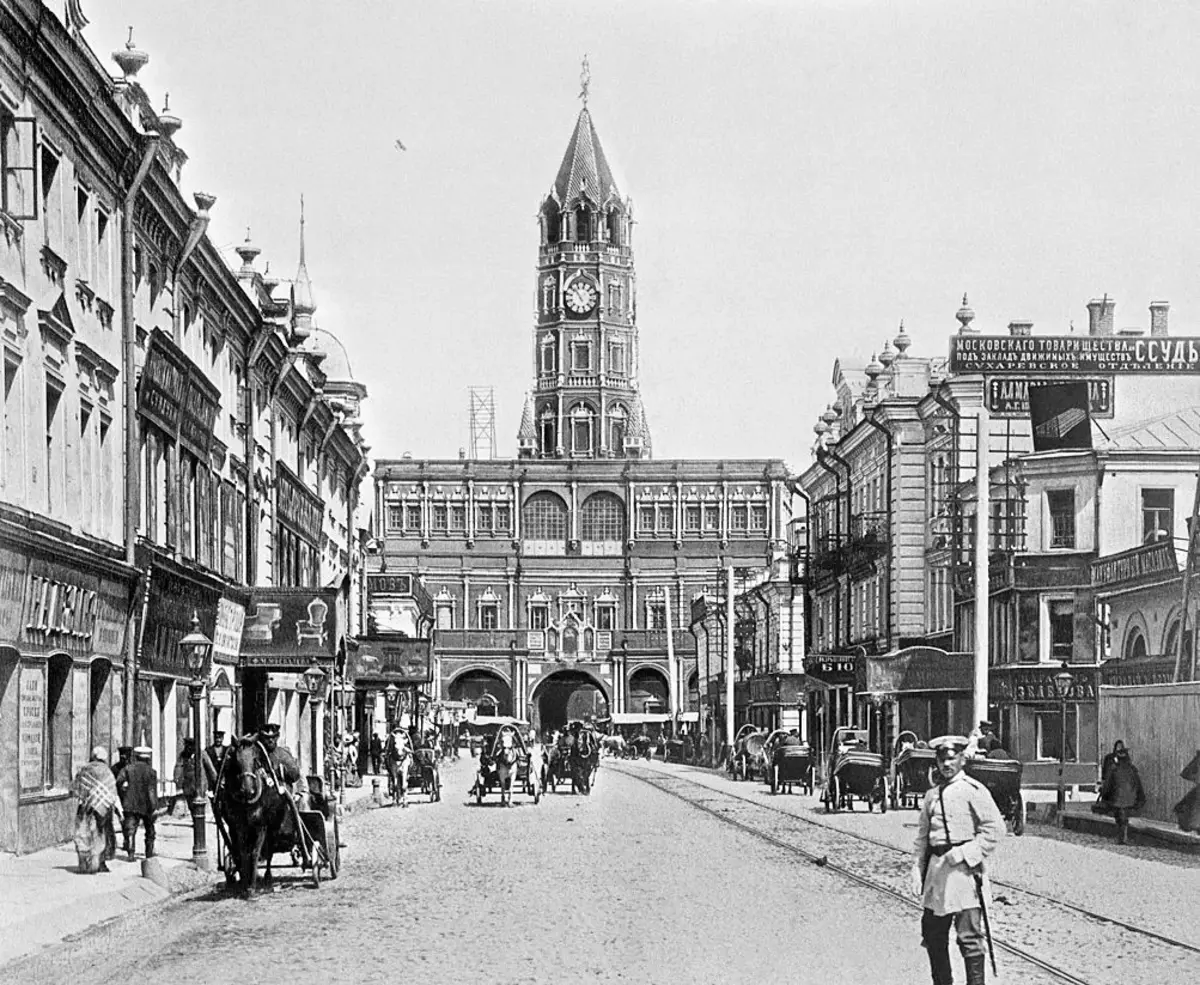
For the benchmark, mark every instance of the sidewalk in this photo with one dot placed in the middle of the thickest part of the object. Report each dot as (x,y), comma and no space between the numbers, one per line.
(45,900)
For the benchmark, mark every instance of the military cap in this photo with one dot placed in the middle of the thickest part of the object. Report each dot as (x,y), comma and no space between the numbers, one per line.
(953,743)
(271,728)
(144,752)
(986,724)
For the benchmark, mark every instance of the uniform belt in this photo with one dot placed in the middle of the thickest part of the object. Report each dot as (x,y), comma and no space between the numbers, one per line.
(941,850)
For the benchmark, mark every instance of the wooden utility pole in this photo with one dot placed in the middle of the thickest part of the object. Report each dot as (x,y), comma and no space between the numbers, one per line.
(1189,567)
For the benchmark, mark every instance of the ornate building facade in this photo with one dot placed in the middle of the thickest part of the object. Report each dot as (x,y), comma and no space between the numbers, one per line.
(561,581)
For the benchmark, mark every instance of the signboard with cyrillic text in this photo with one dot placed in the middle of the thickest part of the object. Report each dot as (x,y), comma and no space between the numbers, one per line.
(1073,354)
(1008,396)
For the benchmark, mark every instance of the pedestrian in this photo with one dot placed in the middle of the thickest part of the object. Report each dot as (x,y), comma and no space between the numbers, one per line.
(376,753)
(124,758)
(958,827)
(185,778)
(1110,759)
(212,757)
(137,784)
(1121,791)
(99,805)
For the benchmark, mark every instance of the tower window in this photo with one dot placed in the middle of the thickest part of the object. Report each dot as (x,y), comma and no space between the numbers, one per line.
(548,431)
(581,429)
(616,429)
(549,360)
(581,357)
(616,358)
(614,228)
(583,226)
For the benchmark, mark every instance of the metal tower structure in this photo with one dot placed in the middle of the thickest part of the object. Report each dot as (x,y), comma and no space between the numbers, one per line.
(483,421)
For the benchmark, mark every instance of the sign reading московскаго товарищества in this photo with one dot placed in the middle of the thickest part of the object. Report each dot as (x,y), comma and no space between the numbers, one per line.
(1073,354)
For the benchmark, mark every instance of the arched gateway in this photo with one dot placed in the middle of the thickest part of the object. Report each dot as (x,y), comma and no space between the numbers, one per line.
(565,696)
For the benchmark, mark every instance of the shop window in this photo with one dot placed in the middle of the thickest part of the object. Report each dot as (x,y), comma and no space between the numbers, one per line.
(1048,728)
(1158,515)
(1061,616)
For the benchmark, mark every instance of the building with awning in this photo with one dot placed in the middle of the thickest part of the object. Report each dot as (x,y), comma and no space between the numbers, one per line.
(921,689)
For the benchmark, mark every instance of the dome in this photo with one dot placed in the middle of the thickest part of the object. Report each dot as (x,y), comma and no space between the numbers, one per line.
(336,365)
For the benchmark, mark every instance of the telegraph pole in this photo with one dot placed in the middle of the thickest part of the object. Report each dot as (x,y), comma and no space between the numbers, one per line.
(729,729)
(1189,567)
(982,503)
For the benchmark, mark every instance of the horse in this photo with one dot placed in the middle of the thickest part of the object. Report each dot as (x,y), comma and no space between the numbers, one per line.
(505,756)
(397,755)
(584,759)
(613,745)
(254,809)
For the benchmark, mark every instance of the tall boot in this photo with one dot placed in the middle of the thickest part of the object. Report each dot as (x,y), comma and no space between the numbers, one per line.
(941,970)
(976,969)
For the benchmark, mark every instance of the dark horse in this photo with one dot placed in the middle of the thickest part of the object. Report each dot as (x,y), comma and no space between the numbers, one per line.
(585,754)
(255,812)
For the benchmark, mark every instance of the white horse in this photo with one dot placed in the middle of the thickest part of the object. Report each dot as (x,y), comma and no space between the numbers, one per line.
(397,756)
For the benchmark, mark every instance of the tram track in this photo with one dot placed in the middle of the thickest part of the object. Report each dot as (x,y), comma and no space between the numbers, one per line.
(1103,949)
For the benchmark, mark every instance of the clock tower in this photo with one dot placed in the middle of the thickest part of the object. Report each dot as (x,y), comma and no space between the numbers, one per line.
(585,402)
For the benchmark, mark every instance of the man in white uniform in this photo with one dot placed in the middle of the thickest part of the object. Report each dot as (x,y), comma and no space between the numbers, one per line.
(958,828)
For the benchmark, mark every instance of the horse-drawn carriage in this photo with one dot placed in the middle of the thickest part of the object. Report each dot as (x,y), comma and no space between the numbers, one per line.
(257,818)
(411,765)
(789,762)
(507,761)
(575,759)
(851,771)
(913,770)
(1002,777)
(747,758)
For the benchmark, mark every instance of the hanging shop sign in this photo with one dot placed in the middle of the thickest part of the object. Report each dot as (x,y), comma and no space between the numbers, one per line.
(175,394)
(290,626)
(389,585)
(299,507)
(393,661)
(172,602)
(919,669)
(1073,354)
(65,609)
(227,636)
(1008,396)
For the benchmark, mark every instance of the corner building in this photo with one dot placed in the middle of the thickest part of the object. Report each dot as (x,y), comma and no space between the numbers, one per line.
(558,578)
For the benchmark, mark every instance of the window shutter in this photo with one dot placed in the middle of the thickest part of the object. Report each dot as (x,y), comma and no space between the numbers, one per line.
(20,191)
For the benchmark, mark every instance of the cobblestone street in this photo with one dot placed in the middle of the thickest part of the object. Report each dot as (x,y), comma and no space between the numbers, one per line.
(631,884)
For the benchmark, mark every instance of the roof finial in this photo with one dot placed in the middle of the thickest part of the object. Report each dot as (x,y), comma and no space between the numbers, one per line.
(585,80)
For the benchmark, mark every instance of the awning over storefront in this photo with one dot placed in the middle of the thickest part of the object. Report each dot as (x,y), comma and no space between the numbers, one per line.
(919,669)
(382,661)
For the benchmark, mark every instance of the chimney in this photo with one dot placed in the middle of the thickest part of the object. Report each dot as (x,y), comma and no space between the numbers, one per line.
(1100,316)
(1158,317)
(1020,328)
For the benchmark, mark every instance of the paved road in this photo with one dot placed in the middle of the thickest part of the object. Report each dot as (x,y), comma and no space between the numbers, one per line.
(629,885)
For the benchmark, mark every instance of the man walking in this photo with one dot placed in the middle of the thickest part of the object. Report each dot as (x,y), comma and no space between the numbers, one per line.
(138,786)
(1121,790)
(376,753)
(959,826)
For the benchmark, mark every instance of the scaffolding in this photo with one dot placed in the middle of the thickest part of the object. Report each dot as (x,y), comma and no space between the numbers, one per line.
(483,421)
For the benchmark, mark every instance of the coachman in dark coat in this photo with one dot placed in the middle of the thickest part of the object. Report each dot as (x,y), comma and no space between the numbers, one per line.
(137,784)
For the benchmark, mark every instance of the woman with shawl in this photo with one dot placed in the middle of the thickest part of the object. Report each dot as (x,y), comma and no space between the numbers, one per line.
(96,789)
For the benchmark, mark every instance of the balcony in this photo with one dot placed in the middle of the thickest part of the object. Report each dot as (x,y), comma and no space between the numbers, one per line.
(827,559)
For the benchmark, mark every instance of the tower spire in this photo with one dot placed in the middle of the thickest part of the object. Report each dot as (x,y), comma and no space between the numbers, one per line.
(302,229)
(585,80)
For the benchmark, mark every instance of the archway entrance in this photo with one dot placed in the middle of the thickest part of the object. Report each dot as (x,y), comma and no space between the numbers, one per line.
(564,697)
(648,691)
(486,690)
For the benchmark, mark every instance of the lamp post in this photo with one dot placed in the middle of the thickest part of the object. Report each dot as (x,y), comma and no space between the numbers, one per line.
(197,655)
(1063,681)
(316,681)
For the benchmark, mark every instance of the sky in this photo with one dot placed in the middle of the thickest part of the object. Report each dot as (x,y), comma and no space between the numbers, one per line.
(804,176)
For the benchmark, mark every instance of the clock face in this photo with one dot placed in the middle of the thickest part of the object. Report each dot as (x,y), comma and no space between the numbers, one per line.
(581,297)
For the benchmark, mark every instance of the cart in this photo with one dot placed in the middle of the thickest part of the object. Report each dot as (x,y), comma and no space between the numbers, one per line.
(914,769)
(789,764)
(1002,777)
(316,846)
(747,753)
(853,771)
(507,738)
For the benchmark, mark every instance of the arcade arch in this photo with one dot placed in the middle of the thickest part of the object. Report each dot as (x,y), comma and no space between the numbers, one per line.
(566,696)
(648,691)
(487,690)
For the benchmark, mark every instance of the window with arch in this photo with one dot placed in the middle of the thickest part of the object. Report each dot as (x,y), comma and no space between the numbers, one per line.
(614,227)
(616,352)
(583,225)
(544,517)
(602,518)
(548,356)
(553,224)
(1135,644)
(1171,641)
(548,431)
(582,427)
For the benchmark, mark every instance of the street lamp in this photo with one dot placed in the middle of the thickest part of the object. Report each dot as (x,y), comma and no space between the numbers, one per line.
(1063,682)
(197,655)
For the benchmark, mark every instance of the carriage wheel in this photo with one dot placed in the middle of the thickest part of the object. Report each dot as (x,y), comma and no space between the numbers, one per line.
(1019,816)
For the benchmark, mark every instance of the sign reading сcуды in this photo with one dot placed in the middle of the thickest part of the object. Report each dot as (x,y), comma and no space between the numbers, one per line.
(1073,354)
